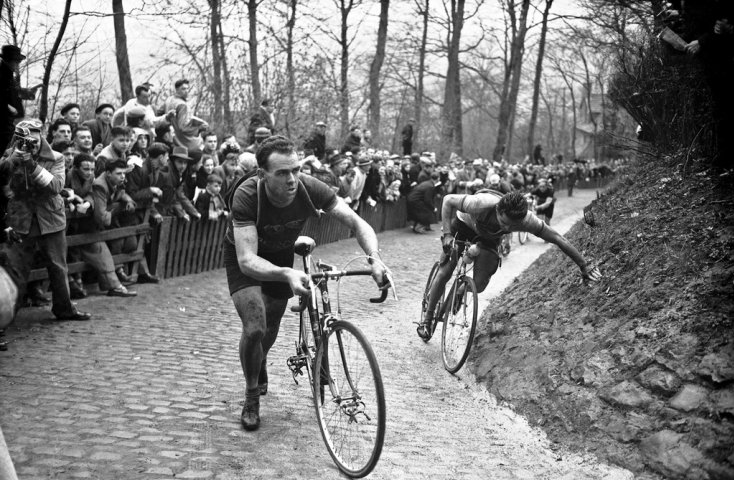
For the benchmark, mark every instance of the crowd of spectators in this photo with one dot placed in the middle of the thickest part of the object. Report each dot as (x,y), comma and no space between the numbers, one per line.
(136,163)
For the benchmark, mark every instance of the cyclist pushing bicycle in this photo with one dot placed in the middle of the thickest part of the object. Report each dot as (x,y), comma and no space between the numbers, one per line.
(483,218)
(268,212)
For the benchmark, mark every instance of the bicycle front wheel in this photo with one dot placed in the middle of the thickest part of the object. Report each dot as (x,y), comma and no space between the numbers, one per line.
(460,324)
(426,295)
(349,399)
(522,237)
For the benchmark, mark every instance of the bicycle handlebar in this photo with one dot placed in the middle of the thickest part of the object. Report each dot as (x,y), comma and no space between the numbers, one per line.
(335,274)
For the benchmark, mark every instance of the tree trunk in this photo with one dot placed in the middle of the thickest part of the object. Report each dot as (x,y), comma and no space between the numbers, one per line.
(451,133)
(215,20)
(423,12)
(538,74)
(43,114)
(375,67)
(291,23)
(508,103)
(345,6)
(252,42)
(123,62)
(228,120)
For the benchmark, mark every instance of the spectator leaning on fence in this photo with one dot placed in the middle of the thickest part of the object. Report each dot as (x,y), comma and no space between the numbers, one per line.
(174,201)
(141,181)
(36,210)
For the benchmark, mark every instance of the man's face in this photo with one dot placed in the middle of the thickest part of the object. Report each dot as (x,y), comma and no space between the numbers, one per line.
(73,115)
(116,176)
(158,162)
(505,222)
(14,64)
(180,165)
(120,143)
(357,132)
(230,162)
(281,177)
(86,169)
(341,167)
(183,91)
(69,156)
(144,97)
(210,143)
(83,140)
(105,116)
(63,132)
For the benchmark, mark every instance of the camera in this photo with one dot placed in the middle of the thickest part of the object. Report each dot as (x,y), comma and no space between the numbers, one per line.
(25,141)
(27,144)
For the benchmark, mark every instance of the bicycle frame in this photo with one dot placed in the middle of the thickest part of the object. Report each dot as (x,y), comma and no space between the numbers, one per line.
(460,270)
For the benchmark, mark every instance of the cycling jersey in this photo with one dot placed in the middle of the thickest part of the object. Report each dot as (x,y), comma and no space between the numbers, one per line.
(479,212)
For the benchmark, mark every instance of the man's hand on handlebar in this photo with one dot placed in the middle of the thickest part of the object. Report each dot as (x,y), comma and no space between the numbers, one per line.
(299,282)
(447,241)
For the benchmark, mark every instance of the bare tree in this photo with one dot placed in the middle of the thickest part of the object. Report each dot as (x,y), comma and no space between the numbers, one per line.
(290,26)
(345,8)
(423,10)
(123,62)
(538,74)
(451,132)
(514,70)
(252,42)
(214,30)
(43,114)
(375,67)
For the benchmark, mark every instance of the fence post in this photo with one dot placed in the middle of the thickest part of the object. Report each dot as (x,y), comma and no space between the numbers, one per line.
(159,245)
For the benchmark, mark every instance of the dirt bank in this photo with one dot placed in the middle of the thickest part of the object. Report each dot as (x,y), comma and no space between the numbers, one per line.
(638,369)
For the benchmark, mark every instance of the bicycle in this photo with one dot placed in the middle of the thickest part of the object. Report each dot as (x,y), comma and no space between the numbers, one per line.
(457,310)
(342,368)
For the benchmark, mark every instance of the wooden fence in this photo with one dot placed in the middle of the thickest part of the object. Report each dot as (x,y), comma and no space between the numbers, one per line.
(181,248)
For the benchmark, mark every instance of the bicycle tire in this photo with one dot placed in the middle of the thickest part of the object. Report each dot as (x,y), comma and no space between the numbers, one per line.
(426,293)
(459,325)
(351,414)
(522,237)
(505,246)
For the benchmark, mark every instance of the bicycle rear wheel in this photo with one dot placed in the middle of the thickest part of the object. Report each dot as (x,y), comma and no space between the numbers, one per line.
(459,325)
(426,294)
(350,403)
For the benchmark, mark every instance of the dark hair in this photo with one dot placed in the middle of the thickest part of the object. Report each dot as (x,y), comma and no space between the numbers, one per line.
(180,82)
(69,106)
(157,149)
(116,164)
(117,131)
(82,157)
(229,148)
(61,145)
(57,123)
(81,128)
(513,205)
(208,133)
(274,144)
(141,88)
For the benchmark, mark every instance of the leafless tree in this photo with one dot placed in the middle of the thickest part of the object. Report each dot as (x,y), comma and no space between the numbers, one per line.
(123,62)
(43,113)
(538,74)
(375,67)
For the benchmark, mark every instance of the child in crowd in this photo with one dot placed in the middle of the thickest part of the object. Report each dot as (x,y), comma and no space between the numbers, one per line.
(210,203)
(202,175)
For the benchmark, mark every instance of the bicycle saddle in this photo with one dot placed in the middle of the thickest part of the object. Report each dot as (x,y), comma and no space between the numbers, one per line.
(304,245)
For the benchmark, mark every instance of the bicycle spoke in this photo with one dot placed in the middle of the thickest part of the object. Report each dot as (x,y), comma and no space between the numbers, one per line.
(458,330)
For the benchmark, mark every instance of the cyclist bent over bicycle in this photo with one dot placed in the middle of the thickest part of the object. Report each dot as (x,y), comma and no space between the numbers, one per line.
(483,218)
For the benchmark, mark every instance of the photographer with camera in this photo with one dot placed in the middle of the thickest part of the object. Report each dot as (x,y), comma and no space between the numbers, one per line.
(35,210)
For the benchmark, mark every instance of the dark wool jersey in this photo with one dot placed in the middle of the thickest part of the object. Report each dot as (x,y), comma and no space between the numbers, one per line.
(479,212)
(277,228)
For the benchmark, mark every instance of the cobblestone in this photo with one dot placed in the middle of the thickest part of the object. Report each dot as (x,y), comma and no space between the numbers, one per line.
(151,387)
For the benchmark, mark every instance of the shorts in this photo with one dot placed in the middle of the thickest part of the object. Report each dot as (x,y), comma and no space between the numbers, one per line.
(488,260)
(238,280)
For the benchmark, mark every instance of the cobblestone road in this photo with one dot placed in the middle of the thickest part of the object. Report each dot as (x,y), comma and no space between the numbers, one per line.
(151,388)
